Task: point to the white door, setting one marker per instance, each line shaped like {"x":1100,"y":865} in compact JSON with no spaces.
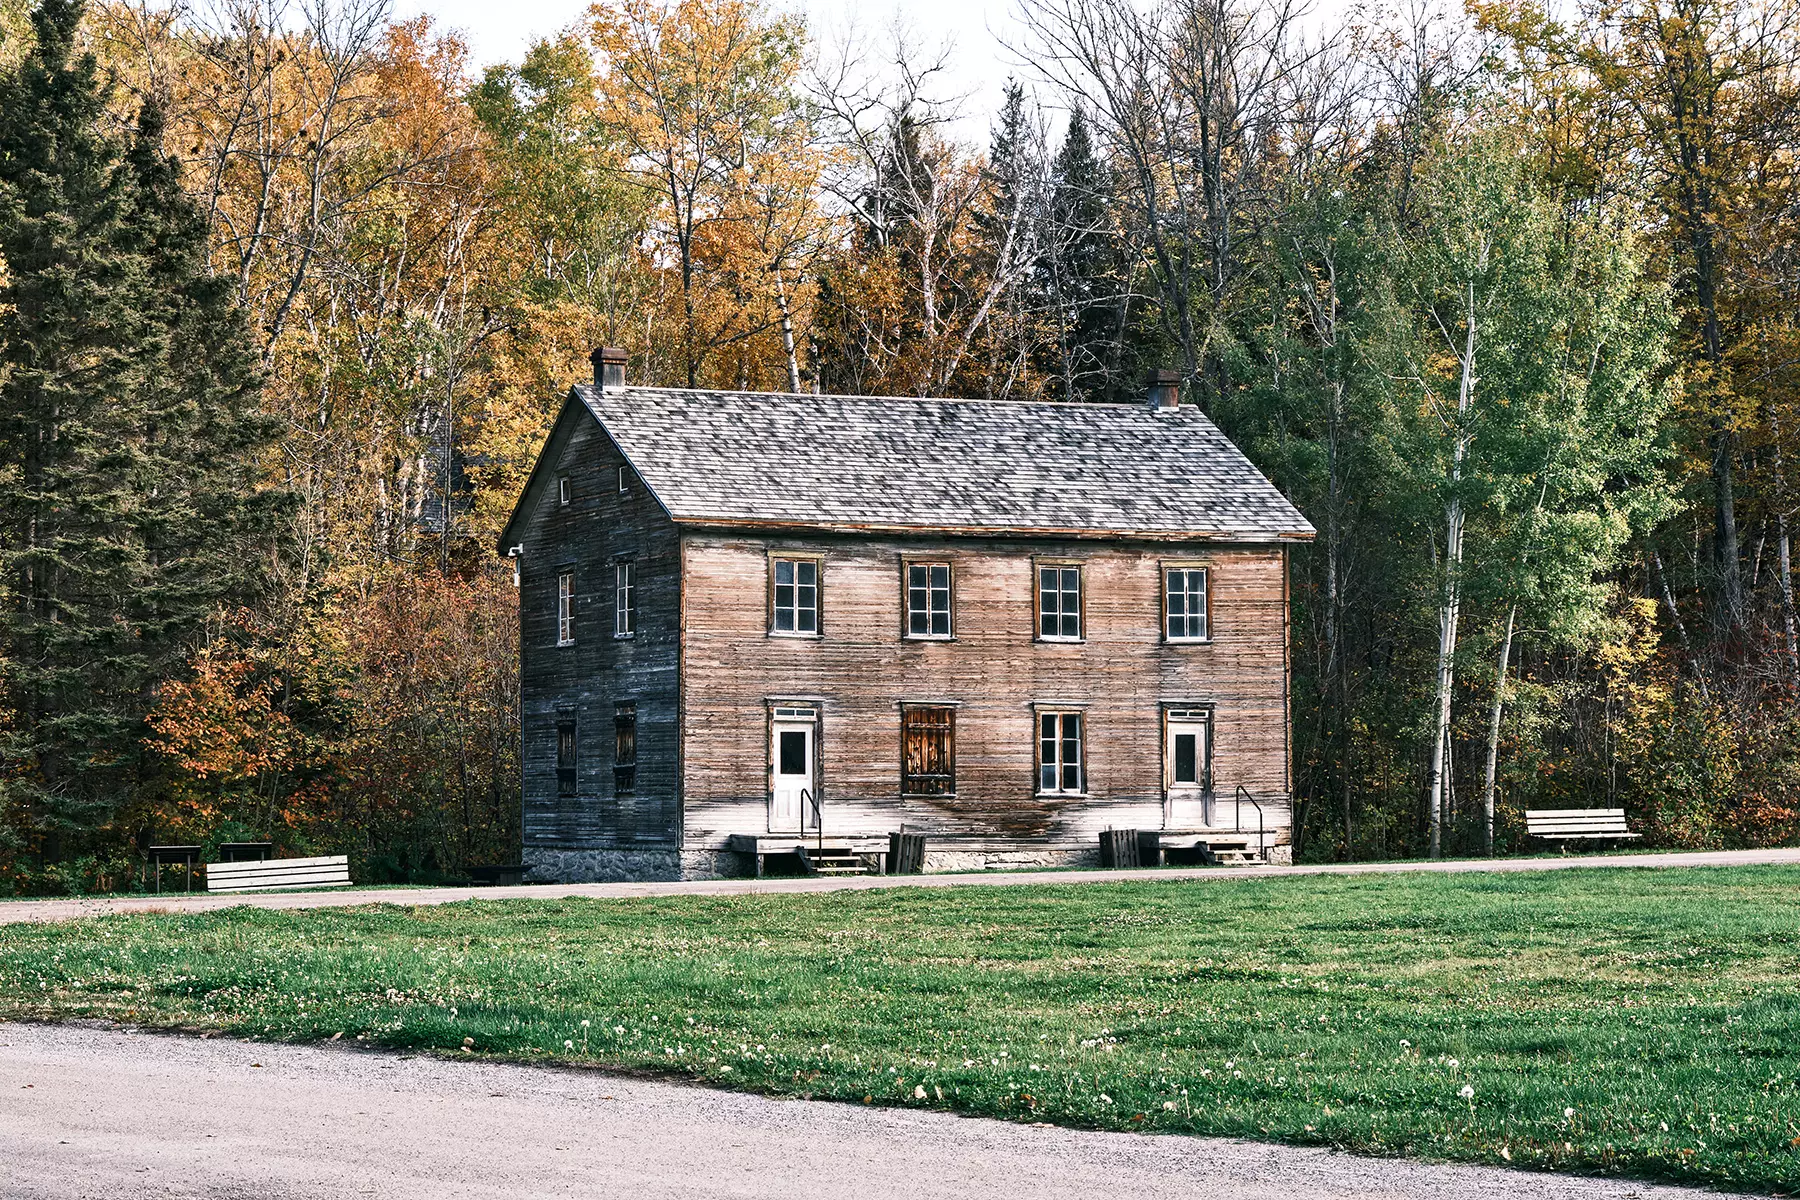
{"x":1185,"y":770}
{"x":791,"y":791}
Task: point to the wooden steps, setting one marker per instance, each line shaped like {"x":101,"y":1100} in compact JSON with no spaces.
{"x":1232,"y":852}
{"x":832,"y":860}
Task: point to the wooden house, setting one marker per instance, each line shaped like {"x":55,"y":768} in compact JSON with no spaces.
{"x":760,"y":624}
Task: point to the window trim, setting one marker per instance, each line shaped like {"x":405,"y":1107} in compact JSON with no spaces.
{"x":907,"y":708}
{"x":1060,"y":710}
{"x":565,"y":606}
{"x":624,"y":479}
{"x":564,"y":491}
{"x":625,"y":605}
{"x":818,"y":606}
{"x":907,"y":563}
{"x":624,"y":770}
{"x":1165,"y":569}
{"x":1038,"y":566}
{"x":1188,"y":713}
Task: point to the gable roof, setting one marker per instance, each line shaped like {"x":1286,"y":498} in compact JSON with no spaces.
{"x":878,"y":463}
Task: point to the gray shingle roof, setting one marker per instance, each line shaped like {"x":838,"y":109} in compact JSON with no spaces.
{"x":887,"y":463}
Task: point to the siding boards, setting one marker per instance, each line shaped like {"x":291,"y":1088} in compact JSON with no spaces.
{"x":861,"y":672}
{"x":588,"y":536}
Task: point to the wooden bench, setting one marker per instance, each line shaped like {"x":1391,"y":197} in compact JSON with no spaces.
{"x":1578,"y":825}
{"x":331,"y":871}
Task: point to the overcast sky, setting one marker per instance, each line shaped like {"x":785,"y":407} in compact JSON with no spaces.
{"x":500,"y":30}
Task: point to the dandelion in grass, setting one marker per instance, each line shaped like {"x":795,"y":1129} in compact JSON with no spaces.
{"x":567,"y":1044}
{"x":1568,"y":1114}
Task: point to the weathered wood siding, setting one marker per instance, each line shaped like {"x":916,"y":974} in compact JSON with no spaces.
{"x":860,"y":671}
{"x":598,"y":528}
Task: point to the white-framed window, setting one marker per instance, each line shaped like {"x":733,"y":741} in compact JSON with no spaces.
{"x":794,"y":596}
{"x":565,"y":609}
{"x":1062,"y":760}
{"x":624,"y":479}
{"x":1188,"y":750}
{"x":1059,"y":602}
{"x":624,"y":599}
{"x":1185,"y":615}
{"x":928,"y":600}
{"x":563,"y":494}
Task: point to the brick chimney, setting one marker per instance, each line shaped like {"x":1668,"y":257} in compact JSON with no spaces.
{"x":1164,"y":390}
{"x":609,"y":367}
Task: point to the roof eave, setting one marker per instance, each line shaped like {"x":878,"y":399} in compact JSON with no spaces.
{"x":1231,"y":536}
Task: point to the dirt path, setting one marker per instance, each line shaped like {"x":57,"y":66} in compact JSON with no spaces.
{"x":63,"y":910}
{"x":95,"y":1113}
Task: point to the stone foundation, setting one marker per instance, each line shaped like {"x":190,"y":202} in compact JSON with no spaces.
{"x":1007,"y":860}
{"x":630,"y":866}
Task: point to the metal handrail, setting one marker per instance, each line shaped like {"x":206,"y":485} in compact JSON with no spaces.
{"x":807,"y":797}
{"x":1237,"y":823}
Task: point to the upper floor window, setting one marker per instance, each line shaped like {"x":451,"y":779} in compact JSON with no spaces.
{"x":1061,"y":758}
{"x":928,"y":600}
{"x":1184,"y":609}
{"x":624,"y":746}
{"x":624,"y":480}
{"x":563,"y":494}
{"x":565,"y":753}
{"x":1059,"y":603}
{"x":795,"y":596}
{"x":928,"y":750}
{"x":565,"y":609}
{"x":624,"y":599}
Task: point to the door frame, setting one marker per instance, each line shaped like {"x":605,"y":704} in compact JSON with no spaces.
{"x":1204,"y":717}
{"x":791,"y":715}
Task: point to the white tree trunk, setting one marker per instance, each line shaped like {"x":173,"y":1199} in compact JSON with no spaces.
{"x":1493,"y":742}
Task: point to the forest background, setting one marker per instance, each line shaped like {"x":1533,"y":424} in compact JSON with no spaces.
{"x":1505,"y":302}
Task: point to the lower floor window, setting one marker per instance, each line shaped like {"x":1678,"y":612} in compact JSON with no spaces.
{"x":624,"y":746}
{"x":1060,"y":757}
{"x":565,"y":754}
{"x":928,"y":750}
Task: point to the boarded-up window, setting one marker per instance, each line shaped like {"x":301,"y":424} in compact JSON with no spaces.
{"x":928,"y":751}
{"x":1060,"y":759}
{"x":624,"y":746}
{"x":565,"y":754}
{"x":928,"y":600}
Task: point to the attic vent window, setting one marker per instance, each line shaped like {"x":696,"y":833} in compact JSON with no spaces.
{"x":624,"y":480}
{"x":562,"y":490}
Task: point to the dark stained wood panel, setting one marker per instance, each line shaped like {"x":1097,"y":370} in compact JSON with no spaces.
{"x":598,"y":528}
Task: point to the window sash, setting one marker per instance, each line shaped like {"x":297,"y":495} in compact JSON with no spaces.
{"x":565,"y":756}
{"x":1059,"y":603}
{"x":1185,"y":605}
{"x":928,"y":751}
{"x":624,"y":599}
{"x":928,"y":600}
{"x":565,"y":609}
{"x":1061,"y":762}
{"x":796,"y":596}
{"x":624,"y":746}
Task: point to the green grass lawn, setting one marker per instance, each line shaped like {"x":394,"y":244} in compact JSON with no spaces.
{"x":1640,"y":1022}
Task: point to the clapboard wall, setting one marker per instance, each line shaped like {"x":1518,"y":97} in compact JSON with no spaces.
{"x":600,"y":526}
{"x":860,"y":671}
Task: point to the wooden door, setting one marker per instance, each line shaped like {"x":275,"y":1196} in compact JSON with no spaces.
{"x":1187,"y":753}
{"x":792,"y":753}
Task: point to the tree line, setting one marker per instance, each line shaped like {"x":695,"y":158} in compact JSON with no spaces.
{"x":1502,"y":299}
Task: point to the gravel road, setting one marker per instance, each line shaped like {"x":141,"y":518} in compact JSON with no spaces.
{"x":91,"y":1113}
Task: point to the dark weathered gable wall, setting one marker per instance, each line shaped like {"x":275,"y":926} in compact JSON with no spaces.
{"x":589,"y":536}
{"x":861,"y":670}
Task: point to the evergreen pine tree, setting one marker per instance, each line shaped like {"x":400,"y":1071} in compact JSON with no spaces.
{"x":1084,"y":274}
{"x":128,"y":430}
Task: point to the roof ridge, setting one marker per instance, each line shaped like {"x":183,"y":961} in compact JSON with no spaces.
{"x":1006,"y":403}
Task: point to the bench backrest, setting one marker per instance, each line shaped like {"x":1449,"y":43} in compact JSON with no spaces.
{"x":1575,"y":822}
{"x":331,"y":871}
